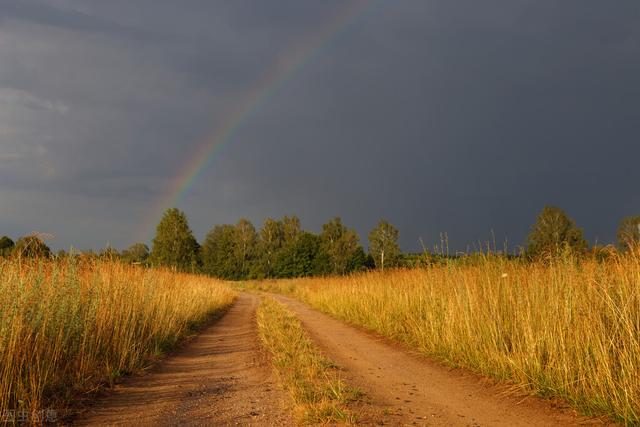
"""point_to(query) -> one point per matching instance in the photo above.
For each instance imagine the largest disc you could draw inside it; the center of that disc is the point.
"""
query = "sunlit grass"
(311, 379)
(567, 330)
(67, 327)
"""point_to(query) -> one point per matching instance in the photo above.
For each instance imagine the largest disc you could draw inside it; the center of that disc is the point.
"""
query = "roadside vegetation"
(312, 380)
(558, 318)
(68, 327)
(562, 328)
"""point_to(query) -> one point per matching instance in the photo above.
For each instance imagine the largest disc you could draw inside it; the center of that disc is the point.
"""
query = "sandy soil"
(418, 391)
(221, 378)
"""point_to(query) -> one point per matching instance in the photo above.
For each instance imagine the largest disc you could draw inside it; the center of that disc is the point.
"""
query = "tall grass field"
(67, 327)
(569, 329)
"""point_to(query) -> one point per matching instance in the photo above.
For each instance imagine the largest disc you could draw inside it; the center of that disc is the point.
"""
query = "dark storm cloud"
(448, 116)
(74, 20)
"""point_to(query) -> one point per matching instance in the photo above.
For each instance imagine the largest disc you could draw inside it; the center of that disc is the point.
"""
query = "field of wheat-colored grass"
(67, 327)
(567, 330)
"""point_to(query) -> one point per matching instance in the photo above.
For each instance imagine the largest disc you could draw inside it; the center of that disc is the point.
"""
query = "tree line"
(281, 248)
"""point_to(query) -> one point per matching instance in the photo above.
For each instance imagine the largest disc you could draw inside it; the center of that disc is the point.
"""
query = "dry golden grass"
(566, 329)
(311, 379)
(68, 327)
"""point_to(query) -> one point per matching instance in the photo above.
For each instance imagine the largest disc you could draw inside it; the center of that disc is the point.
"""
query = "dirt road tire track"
(221, 378)
(421, 392)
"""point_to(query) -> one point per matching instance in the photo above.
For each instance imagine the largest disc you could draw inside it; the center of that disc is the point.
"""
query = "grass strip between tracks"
(313, 381)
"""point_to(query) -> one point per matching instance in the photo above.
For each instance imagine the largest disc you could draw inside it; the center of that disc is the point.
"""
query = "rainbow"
(287, 65)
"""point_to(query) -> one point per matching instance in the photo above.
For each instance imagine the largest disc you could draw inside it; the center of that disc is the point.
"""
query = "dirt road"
(223, 378)
(420, 392)
(220, 378)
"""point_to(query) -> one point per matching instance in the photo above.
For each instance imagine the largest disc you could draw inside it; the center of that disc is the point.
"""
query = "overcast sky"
(449, 116)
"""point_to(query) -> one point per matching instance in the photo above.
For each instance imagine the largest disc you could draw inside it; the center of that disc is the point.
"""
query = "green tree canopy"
(137, 253)
(31, 246)
(298, 258)
(174, 245)
(270, 241)
(554, 232)
(629, 232)
(6, 246)
(360, 261)
(291, 228)
(218, 252)
(245, 245)
(383, 245)
(340, 245)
